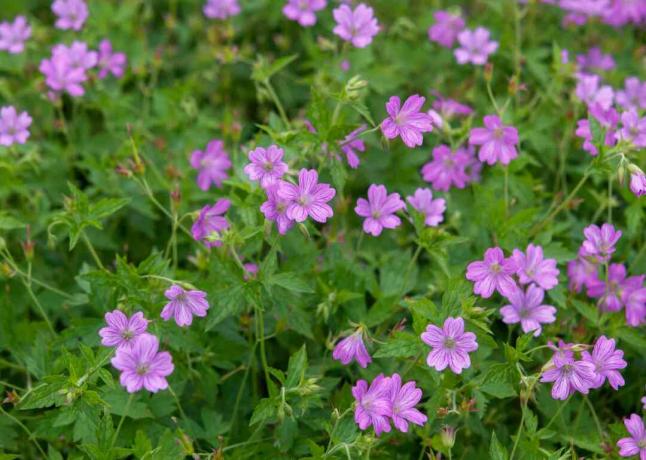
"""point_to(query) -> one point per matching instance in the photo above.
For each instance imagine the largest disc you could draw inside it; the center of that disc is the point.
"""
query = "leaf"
(496, 450)
(8, 222)
(296, 368)
(290, 281)
(142, 445)
(588, 311)
(263, 71)
(264, 410)
(402, 345)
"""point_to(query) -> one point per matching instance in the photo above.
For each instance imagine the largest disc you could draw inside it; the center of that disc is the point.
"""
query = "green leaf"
(142, 446)
(263, 71)
(8, 222)
(496, 450)
(402, 345)
(290, 281)
(296, 368)
(264, 410)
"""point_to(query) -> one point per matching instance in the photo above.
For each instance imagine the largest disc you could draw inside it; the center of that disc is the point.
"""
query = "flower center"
(376, 214)
(268, 166)
(304, 200)
(449, 343)
(448, 162)
(127, 334)
(498, 133)
(142, 369)
(523, 313)
(495, 267)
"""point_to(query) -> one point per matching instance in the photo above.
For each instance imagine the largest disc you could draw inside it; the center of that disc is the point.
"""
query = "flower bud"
(447, 434)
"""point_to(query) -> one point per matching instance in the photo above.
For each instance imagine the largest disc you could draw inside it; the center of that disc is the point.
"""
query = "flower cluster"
(451, 168)
(221, 9)
(71, 14)
(13, 35)
(616, 13)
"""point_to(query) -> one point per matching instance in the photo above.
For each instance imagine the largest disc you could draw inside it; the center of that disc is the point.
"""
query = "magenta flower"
(446, 28)
(450, 345)
(423, 202)
(569, 376)
(250, 271)
(143, 366)
(595, 60)
(404, 399)
(406, 122)
(357, 27)
(606, 360)
(122, 331)
(475, 46)
(633, 96)
(13, 126)
(210, 223)
(303, 11)
(13, 35)
(221, 9)
(493, 273)
(379, 210)
(183, 305)
(266, 165)
(589, 91)
(352, 347)
(110, 62)
(633, 296)
(374, 406)
(527, 308)
(609, 293)
(607, 119)
(308, 198)
(638, 183)
(78, 54)
(533, 268)
(497, 141)
(212, 164)
(350, 145)
(275, 210)
(61, 76)
(448, 168)
(633, 128)
(600, 242)
(635, 444)
(581, 272)
(71, 14)
(449, 108)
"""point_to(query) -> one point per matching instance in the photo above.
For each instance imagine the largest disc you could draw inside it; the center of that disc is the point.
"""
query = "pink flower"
(62, 76)
(581, 272)
(589, 91)
(450, 345)
(533, 268)
(609, 294)
(406, 122)
(357, 27)
(78, 54)
(569, 376)
(633, 297)
(493, 273)
(143, 366)
(266, 165)
(71, 14)
(600, 242)
(183, 305)
(275, 210)
(351, 144)
(221, 9)
(527, 309)
(122, 331)
(14, 127)
(497, 142)
(637, 183)
(251, 271)
(633, 128)
(212, 164)
(374, 406)
(308, 198)
(303, 11)
(635, 444)
(633, 96)
(13, 35)
(607, 119)
(595, 60)
(606, 360)
(109, 62)
(352, 347)
(475, 46)
(404, 399)
(446, 28)
(379, 210)
(211, 223)
(448, 168)
(449, 107)
(423, 202)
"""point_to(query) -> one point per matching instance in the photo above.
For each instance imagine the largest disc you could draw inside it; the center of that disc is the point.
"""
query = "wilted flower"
(533, 268)
(606, 361)
(308, 198)
(379, 210)
(404, 399)
(493, 273)
(303, 11)
(635, 444)
(110, 62)
(143, 366)
(221, 9)
(374, 404)
(638, 183)
(351, 144)
(212, 164)
(71, 13)
(122, 331)
(450, 345)
(497, 141)
(475, 46)
(356, 26)
(446, 28)
(423, 202)
(13, 126)
(266, 165)
(406, 122)
(352, 347)
(13, 35)
(210, 223)
(183, 305)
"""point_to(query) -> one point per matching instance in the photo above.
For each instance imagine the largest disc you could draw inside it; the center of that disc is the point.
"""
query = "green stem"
(39, 306)
(149, 193)
(89, 373)
(556, 414)
(90, 248)
(520, 430)
(123, 417)
(260, 333)
(236, 405)
(594, 416)
(279, 105)
(179, 405)
(506, 169)
(11, 385)
(30, 435)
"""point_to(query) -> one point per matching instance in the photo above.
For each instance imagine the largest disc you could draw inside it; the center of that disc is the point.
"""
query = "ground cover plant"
(322, 229)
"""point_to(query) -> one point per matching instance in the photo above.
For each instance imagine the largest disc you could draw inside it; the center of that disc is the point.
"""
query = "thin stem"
(610, 200)
(236, 406)
(90, 248)
(155, 201)
(260, 337)
(556, 414)
(594, 416)
(506, 169)
(11, 385)
(31, 436)
(246, 443)
(40, 307)
(179, 405)
(279, 105)
(520, 430)
(89, 373)
(123, 417)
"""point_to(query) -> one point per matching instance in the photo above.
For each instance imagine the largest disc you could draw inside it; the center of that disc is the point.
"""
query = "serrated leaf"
(496, 450)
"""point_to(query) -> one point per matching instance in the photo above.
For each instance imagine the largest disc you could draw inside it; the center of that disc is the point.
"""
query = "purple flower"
(600, 242)
(446, 28)
(423, 202)
(210, 223)
(303, 11)
(379, 210)
(569, 375)
(635, 444)
(122, 331)
(493, 273)
(13, 35)
(621, 12)
(527, 309)
(352, 347)
(589, 91)
(61, 76)
(308, 198)
(109, 62)
(13, 126)
(497, 142)
(143, 366)
(638, 183)
(406, 122)
(609, 294)
(266, 165)
(212, 164)
(221, 9)
(595, 60)
(633, 297)
(633, 128)
(374, 406)
(448, 168)
(184, 304)
(275, 210)
(78, 54)
(450, 345)
(71, 14)
(581, 272)
(475, 46)
(533, 268)
(606, 360)
(607, 119)
(357, 27)
(351, 144)
(449, 107)
(251, 271)
(404, 399)
(633, 96)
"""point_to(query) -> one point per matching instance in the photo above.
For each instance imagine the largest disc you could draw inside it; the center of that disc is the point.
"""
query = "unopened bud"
(447, 434)
(488, 71)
